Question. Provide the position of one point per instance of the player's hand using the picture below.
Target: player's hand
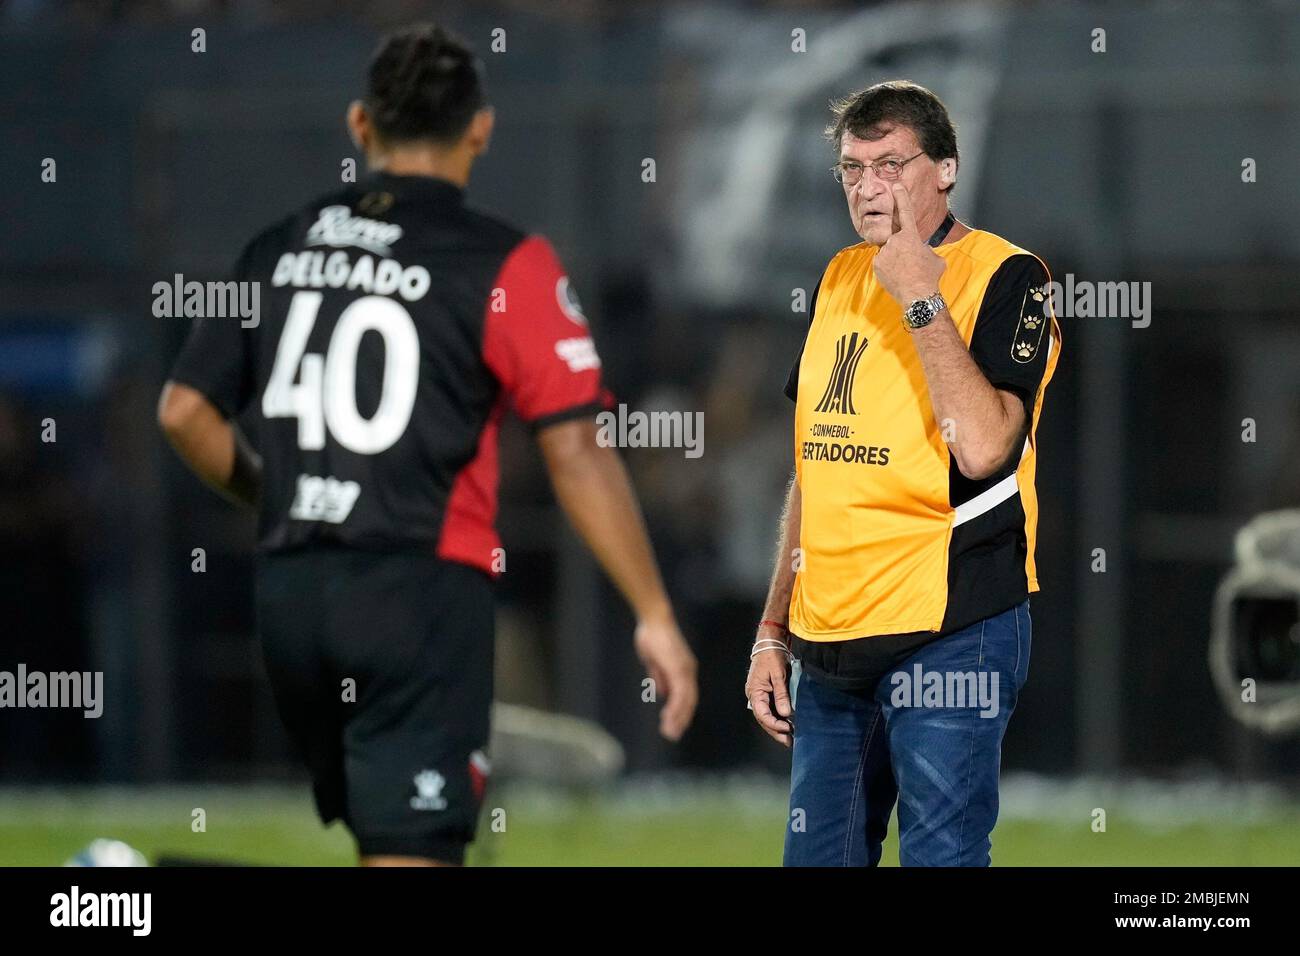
(768, 690)
(906, 265)
(672, 667)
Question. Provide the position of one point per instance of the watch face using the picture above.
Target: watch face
(922, 312)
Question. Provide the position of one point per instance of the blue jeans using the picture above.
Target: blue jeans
(932, 743)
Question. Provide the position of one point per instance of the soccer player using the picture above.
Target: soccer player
(906, 560)
(397, 324)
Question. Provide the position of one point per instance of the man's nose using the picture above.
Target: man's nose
(870, 185)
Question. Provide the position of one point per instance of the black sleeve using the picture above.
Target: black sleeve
(217, 358)
(792, 380)
(1010, 341)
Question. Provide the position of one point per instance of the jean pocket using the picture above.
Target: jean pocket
(1024, 643)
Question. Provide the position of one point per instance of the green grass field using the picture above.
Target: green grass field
(657, 823)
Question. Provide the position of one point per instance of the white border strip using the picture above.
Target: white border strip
(986, 500)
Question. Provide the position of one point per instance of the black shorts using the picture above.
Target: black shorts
(381, 667)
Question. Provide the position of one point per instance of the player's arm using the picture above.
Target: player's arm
(210, 384)
(212, 446)
(540, 349)
(769, 668)
(592, 486)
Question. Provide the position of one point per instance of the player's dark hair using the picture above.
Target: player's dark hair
(424, 83)
(870, 113)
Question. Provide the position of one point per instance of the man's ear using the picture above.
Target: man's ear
(947, 172)
(479, 134)
(359, 126)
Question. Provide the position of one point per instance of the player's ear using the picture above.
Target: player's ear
(479, 134)
(359, 127)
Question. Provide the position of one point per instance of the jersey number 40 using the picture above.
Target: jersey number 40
(320, 390)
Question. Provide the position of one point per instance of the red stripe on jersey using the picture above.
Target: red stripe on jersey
(469, 524)
(537, 345)
(535, 337)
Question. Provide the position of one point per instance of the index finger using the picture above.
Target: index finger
(903, 208)
(763, 714)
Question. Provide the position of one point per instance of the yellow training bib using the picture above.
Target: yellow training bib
(874, 472)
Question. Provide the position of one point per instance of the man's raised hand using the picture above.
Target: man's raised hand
(905, 265)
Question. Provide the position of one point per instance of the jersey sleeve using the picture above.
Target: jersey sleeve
(792, 380)
(1010, 341)
(217, 357)
(536, 340)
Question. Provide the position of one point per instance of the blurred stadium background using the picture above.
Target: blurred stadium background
(1117, 166)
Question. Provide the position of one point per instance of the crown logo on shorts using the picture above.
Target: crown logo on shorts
(428, 788)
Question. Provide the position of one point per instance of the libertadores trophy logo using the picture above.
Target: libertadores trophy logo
(838, 396)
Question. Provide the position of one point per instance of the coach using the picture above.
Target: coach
(906, 554)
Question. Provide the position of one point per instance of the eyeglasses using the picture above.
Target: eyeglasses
(849, 172)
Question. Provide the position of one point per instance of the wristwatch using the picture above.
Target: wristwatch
(922, 312)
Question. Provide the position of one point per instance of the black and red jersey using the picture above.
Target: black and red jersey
(395, 326)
